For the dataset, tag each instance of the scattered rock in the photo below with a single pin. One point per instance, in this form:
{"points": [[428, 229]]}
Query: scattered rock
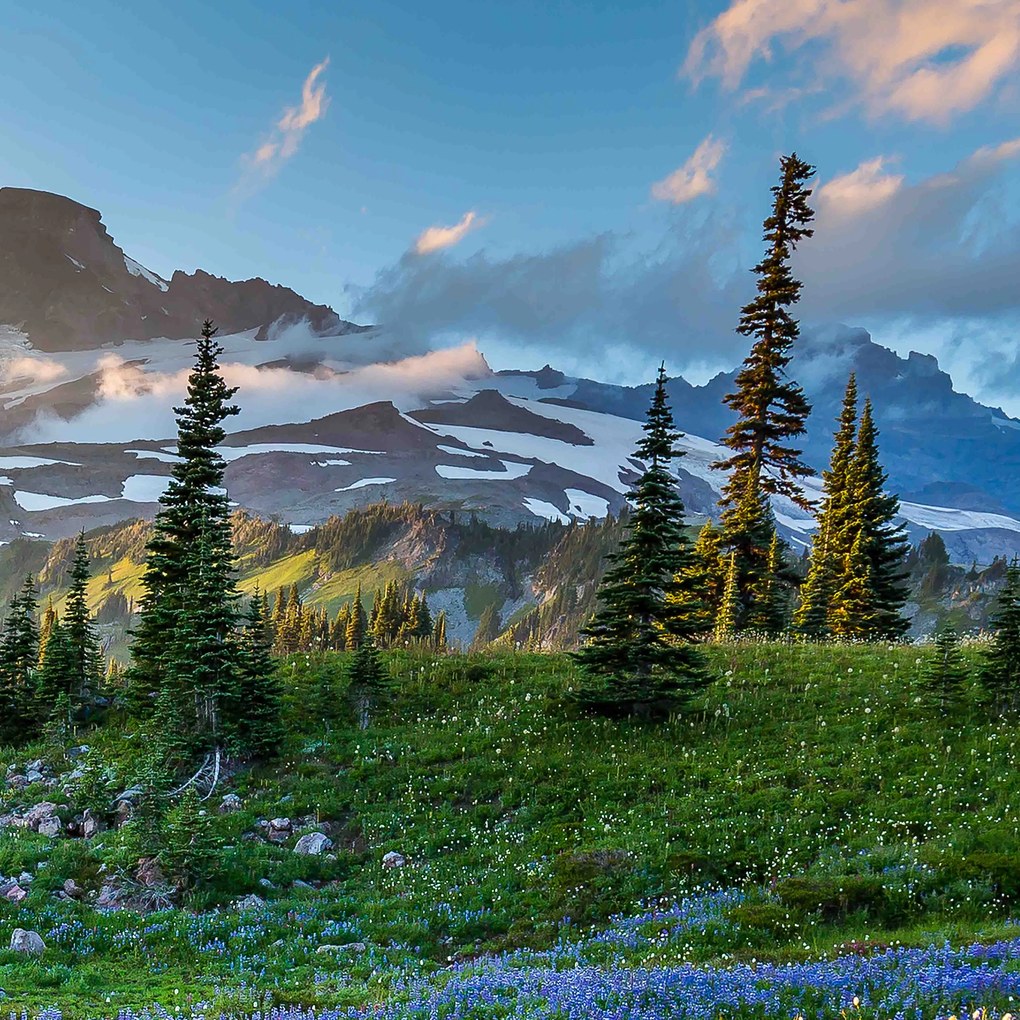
{"points": [[124, 812], [231, 803], [250, 902], [111, 897], [72, 890], [393, 860], [313, 844], [266, 884], [17, 782], [28, 942], [347, 947], [34, 776], [15, 894], [89, 825], [50, 826], [39, 813], [280, 824], [25, 879], [77, 752]]}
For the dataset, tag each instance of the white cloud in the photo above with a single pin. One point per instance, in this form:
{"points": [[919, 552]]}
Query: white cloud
{"points": [[860, 190], [923, 60], [437, 238], [694, 178], [287, 133]]}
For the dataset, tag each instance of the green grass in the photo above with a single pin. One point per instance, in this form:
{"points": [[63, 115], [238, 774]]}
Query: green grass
{"points": [[810, 776]]}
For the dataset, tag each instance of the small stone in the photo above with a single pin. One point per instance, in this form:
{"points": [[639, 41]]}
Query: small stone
{"points": [[230, 803], [72, 890], [149, 873], [347, 947], [280, 824], [34, 776], [39, 813], [110, 897], [313, 844], [393, 860], [28, 942], [25, 878], [266, 884], [15, 894], [250, 902], [17, 782], [89, 825]]}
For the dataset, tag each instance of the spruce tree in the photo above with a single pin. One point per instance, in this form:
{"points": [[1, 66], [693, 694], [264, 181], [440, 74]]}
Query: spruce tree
{"points": [[19, 657], [86, 656], [639, 658], [54, 677], [944, 674], [188, 579], [260, 730], [871, 586], [357, 625], [1000, 671], [368, 680], [771, 409], [771, 597], [439, 632], [727, 621], [705, 582], [830, 547]]}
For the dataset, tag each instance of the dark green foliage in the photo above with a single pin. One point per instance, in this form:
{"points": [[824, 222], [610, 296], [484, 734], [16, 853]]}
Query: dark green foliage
{"points": [[85, 663], [639, 659], [19, 655], [944, 675], [258, 685], [53, 688], [1000, 672], [705, 582], [830, 548], [189, 845], [183, 640], [368, 681], [872, 584], [488, 628]]}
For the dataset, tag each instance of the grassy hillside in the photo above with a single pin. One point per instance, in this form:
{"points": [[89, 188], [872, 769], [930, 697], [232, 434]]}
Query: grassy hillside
{"points": [[841, 815]]}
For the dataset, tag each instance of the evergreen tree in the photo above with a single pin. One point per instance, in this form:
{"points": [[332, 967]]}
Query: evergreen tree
{"points": [[258, 685], [727, 621], [771, 601], [771, 409], [705, 582], [49, 618], [1000, 671], [54, 678], [871, 585], [488, 628], [834, 532], [368, 680], [188, 584], [357, 625], [639, 658], [944, 675], [439, 632], [19, 656], [86, 657]]}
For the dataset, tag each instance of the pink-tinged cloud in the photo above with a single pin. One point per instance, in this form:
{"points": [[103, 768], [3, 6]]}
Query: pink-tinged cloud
{"points": [[437, 238], [694, 178], [858, 191], [287, 133], [923, 60]]}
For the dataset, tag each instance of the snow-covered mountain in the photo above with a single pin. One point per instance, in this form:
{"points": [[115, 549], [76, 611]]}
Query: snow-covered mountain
{"points": [[94, 353]]}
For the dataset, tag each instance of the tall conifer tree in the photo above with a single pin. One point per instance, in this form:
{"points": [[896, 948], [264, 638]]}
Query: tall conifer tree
{"points": [[85, 653], [639, 658], [1000, 671], [188, 585], [771, 409]]}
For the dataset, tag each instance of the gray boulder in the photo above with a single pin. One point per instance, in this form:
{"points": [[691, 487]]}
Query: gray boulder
{"points": [[250, 902], [230, 803], [313, 844], [28, 942]]}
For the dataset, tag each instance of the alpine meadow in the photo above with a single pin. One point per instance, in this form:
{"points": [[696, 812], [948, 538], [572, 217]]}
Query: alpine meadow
{"points": [[353, 666]]}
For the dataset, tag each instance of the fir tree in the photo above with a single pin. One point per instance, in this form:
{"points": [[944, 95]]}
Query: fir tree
{"points": [[727, 621], [834, 532], [19, 656], [944, 675], [877, 549], [54, 678], [368, 680], [1000, 671], [439, 632], [357, 625], [188, 583], [85, 654], [639, 658], [771, 600], [260, 731], [488, 628], [705, 581], [49, 618], [771, 409]]}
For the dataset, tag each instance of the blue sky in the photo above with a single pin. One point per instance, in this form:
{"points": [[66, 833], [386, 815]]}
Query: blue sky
{"points": [[551, 123]]}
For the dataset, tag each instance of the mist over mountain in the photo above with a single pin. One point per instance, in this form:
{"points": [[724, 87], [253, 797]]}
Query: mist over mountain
{"points": [[94, 354]]}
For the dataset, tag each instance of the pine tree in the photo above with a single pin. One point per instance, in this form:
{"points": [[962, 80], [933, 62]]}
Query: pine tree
{"points": [[944, 675], [834, 532], [49, 618], [771, 409], [54, 678], [368, 681], [85, 654], [488, 628], [19, 656], [1000, 671], [771, 600], [260, 730], [639, 658], [184, 586], [357, 625], [877, 549], [727, 621], [705, 581], [439, 632]]}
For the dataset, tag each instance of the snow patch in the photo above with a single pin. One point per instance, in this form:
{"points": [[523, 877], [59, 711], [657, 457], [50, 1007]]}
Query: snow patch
{"points": [[136, 269], [32, 462], [460, 453], [160, 455], [35, 501], [300, 529], [362, 482], [585, 504], [229, 453], [540, 508], [74, 262], [511, 471], [145, 488]]}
